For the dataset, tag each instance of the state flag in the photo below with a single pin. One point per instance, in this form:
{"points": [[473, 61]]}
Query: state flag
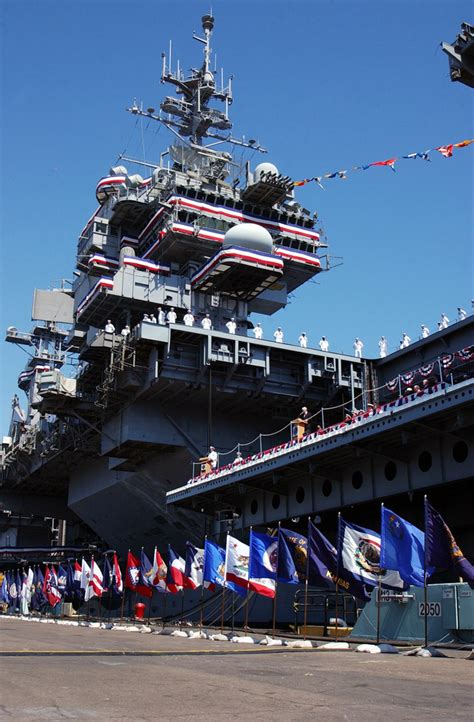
{"points": [[402, 548], [442, 551], [50, 587], [175, 572], [132, 577], [117, 576], [263, 563], [193, 572], [292, 557], [94, 587], [237, 556]]}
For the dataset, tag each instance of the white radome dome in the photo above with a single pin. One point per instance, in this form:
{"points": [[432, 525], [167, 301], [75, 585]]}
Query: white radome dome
{"points": [[265, 168], [249, 235]]}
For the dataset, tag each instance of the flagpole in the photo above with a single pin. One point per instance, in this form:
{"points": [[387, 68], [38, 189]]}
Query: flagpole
{"points": [[425, 580], [201, 615], [123, 591], [379, 594], [337, 609], [100, 600], [274, 609], [164, 609], [306, 584], [337, 580], [246, 623], [87, 589]]}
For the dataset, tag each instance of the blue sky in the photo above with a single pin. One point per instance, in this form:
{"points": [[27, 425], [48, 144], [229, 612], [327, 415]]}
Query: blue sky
{"points": [[324, 85]]}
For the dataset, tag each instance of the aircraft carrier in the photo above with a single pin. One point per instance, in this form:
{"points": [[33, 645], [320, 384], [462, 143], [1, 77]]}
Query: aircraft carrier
{"points": [[150, 356]]}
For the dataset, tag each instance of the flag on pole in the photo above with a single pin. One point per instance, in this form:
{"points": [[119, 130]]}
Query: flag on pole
{"points": [[263, 563], [403, 548], [160, 571], [4, 596], [77, 576], [359, 555], [442, 552], [446, 150], [146, 570], [175, 572], [117, 576], [323, 567], [214, 565], [132, 577], [194, 567], [40, 597], [94, 588], [237, 562], [292, 557], [62, 580], [85, 575], [107, 575], [50, 587]]}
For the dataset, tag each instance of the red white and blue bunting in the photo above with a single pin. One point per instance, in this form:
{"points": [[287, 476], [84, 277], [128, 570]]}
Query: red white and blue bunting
{"points": [[446, 361]]}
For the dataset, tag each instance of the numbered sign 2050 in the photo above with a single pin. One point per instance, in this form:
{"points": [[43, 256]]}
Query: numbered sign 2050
{"points": [[431, 609]]}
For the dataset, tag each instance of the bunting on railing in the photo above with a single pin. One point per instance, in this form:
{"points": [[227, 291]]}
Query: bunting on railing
{"points": [[445, 150]]}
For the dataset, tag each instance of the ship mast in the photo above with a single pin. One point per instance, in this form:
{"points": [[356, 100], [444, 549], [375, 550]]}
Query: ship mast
{"points": [[191, 116]]}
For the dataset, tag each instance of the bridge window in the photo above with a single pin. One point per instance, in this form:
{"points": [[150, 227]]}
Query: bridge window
{"points": [[254, 506], [460, 451], [357, 479], [425, 461], [299, 496], [276, 501], [390, 470], [327, 488]]}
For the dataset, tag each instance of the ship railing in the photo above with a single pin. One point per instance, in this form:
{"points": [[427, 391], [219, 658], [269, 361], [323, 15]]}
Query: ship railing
{"points": [[319, 607]]}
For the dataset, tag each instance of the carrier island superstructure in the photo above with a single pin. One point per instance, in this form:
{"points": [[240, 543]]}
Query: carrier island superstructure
{"points": [[200, 236]]}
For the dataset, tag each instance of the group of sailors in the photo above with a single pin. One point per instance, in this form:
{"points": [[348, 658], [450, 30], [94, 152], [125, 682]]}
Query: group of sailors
{"points": [[165, 318]]}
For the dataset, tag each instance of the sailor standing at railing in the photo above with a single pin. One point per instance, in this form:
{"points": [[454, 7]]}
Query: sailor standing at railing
{"points": [[358, 346], [125, 332], [188, 318], [171, 316], [324, 344], [153, 318], [383, 347], [461, 314], [425, 331], [258, 331], [278, 335], [109, 327], [231, 326], [206, 322], [444, 321], [212, 457], [303, 340], [406, 341], [161, 316]]}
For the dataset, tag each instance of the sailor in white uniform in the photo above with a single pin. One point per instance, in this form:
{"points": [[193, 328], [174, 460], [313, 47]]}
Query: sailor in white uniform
{"points": [[231, 326], [109, 327], [258, 331], [188, 318], [444, 321], [358, 346], [278, 335], [125, 332], [461, 314], [324, 344], [425, 331], [406, 341], [146, 318], [153, 318], [206, 322], [383, 347], [161, 316], [171, 316], [303, 340], [212, 456]]}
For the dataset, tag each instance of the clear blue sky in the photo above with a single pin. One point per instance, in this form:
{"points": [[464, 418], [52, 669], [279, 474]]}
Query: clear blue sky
{"points": [[324, 85]]}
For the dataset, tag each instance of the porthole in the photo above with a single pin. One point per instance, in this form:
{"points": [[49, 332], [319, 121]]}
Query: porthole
{"points": [[299, 496], [254, 506], [357, 479], [425, 461], [460, 451], [276, 501], [390, 470], [327, 488]]}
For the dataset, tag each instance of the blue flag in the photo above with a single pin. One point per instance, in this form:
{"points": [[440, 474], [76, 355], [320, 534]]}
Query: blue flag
{"points": [[18, 588], [106, 575], [359, 556], [263, 563], [214, 568], [70, 588], [39, 594], [146, 570], [4, 596], [442, 552], [403, 548], [292, 556], [62, 580], [323, 567]]}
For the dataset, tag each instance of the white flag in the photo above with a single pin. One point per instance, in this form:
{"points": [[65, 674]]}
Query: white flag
{"points": [[85, 574], [237, 556], [95, 587]]}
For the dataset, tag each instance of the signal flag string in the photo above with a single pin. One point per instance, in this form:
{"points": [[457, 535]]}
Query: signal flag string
{"points": [[445, 150]]}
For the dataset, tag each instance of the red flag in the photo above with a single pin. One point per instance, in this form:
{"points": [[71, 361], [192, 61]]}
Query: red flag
{"points": [[390, 162], [446, 150], [117, 575], [132, 577], [50, 587], [463, 143]]}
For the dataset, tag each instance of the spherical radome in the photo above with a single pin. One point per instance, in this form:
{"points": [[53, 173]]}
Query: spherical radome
{"points": [[249, 235], [265, 168]]}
